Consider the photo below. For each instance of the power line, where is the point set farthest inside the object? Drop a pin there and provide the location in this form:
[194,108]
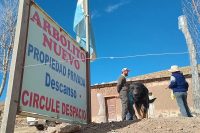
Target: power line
[141,55]
[111,57]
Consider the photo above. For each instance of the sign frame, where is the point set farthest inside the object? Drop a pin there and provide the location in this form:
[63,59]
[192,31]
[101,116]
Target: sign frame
[57,117]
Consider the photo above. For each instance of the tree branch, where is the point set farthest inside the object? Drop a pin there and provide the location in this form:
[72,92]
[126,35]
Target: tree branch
[8,18]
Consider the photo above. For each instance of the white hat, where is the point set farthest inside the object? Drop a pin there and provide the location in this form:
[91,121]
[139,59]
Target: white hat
[125,69]
[174,68]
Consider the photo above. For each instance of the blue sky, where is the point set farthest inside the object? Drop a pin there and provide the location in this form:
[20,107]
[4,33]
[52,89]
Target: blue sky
[127,28]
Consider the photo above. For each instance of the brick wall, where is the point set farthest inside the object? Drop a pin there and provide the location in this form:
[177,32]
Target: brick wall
[163,106]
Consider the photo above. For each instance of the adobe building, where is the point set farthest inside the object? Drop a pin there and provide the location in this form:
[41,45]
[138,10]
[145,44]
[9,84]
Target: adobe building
[106,106]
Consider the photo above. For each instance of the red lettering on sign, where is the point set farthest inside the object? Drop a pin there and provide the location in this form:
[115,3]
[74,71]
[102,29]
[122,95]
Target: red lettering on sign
[46,26]
[36,19]
[57,106]
[42,99]
[50,104]
[60,38]
[60,51]
[35,100]
[25,102]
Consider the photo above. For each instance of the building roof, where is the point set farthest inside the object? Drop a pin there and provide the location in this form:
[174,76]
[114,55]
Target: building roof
[148,77]
[161,74]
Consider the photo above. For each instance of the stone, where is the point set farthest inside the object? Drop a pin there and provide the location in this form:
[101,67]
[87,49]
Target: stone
[67,128]
[51,130]
[159,127]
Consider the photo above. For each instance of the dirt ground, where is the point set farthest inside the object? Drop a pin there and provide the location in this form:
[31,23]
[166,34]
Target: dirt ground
[156,125]
[153,125]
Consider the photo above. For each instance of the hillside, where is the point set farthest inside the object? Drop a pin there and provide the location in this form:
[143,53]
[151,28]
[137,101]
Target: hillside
[153,125]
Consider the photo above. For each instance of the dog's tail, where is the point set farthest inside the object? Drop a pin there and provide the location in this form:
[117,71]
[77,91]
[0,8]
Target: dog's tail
[152,100]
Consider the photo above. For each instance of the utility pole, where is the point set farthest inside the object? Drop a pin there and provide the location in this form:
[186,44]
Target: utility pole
[16,70]
[87,25]
[193,63]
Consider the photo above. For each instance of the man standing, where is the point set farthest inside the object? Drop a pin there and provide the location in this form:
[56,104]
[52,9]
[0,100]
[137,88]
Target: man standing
[180,87]
[122,89]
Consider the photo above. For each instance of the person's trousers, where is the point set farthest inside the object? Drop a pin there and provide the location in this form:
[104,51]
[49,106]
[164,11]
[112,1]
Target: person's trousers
[124,101]
[181,99]
[131,113]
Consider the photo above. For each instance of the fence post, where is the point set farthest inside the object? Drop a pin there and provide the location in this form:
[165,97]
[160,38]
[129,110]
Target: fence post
[193,62]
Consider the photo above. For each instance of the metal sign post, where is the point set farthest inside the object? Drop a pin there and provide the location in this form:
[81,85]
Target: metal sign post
[87,22]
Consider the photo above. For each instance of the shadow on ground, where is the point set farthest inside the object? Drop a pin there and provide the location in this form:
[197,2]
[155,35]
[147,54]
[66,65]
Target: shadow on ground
[105,127]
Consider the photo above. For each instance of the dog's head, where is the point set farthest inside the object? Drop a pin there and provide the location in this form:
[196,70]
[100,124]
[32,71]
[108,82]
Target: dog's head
[138,89]
[140,92]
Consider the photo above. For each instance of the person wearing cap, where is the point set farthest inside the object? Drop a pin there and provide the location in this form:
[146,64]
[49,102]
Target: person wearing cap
[122,89]
[180,87]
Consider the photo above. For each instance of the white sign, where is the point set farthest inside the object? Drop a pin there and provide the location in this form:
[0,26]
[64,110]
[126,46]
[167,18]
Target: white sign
[54,78]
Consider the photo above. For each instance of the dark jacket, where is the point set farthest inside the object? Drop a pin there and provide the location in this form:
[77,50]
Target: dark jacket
[180,84]
[121,84]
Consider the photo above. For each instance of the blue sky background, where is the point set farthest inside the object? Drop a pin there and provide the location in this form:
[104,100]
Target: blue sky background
[127,28]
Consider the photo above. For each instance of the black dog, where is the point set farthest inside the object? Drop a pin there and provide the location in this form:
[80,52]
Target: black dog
[141,99]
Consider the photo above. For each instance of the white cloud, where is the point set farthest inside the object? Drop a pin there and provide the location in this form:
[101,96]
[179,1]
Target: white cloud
[114,7]
[95,14]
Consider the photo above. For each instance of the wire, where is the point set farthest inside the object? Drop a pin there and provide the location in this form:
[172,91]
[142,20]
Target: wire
[111,57]
[142,55]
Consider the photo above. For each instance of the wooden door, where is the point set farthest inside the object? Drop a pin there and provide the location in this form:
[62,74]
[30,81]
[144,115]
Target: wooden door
[111,109]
